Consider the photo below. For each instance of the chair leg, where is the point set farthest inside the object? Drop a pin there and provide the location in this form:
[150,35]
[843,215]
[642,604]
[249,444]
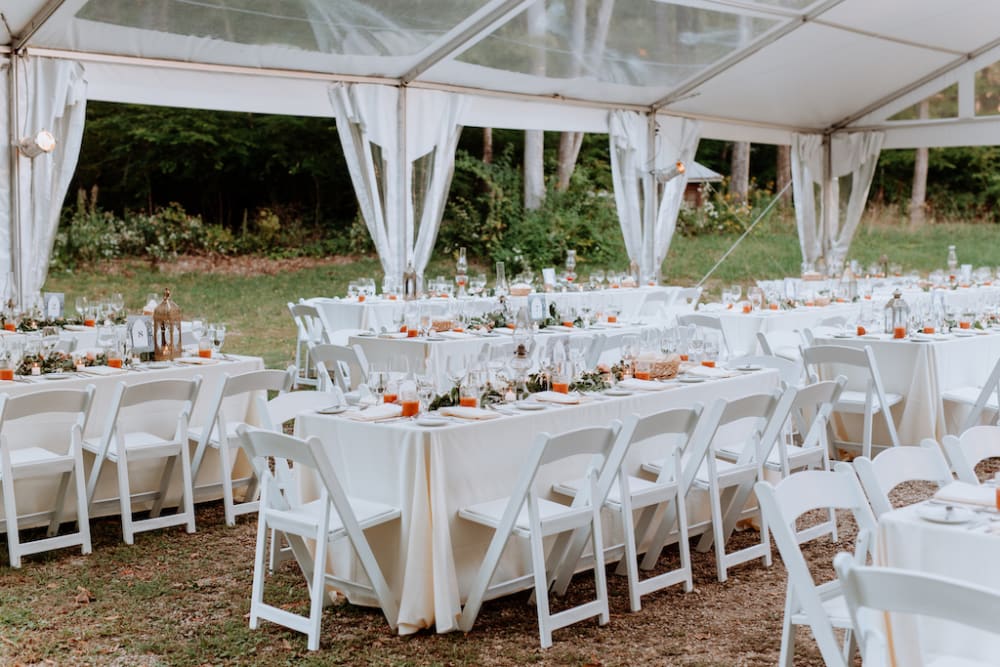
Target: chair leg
[682,541]
[82,511]
[226,477]
[257,588]
[60,505]
[168,472]
[10,512]
[600,576]
[125,498]
[787,656]
[866,442]
[187,486]
[541,588]
[631,561]
[317,589]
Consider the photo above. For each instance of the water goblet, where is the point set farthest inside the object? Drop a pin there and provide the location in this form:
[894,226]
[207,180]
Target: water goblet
[218,337]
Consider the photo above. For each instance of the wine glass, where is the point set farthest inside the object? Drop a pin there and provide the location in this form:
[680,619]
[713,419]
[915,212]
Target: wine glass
[117,302]
[218,337]
[50,339]
[598,275]
[425,391]
[696,343]
[81,304]
[377,382]
[736,291]
[198,329]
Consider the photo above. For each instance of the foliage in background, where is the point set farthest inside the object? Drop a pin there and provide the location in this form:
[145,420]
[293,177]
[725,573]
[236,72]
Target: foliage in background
[719,213]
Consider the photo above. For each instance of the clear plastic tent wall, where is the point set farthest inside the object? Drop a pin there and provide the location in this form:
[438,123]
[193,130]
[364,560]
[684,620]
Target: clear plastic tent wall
[755,70]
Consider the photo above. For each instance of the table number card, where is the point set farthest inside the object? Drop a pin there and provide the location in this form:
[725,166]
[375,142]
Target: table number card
[54,304]
[549,276]
[140,333]
[536,307]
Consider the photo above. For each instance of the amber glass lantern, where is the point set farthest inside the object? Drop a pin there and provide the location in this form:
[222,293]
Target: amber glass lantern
[166,329]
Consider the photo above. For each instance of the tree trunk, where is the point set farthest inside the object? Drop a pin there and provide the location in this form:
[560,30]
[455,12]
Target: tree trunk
[569,150]
[739,183]
[918,196]
[785,173]
[488,145]
[534,140]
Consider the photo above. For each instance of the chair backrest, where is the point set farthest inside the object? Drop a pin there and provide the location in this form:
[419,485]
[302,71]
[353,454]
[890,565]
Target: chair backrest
[72,403]
[675,427]
[174,395]
[969,449]
[769,409]
[347,363]
[892,467]
[782,505]
[687,296]
[842,355]
[244,383]
[871,591]
[781,343]
[655,304]
[308,322]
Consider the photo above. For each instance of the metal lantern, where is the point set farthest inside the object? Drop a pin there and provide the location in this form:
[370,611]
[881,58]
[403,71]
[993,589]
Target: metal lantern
[897,315]
[166,329]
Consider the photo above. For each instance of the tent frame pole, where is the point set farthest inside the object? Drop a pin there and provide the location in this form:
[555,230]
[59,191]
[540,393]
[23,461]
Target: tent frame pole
[828,224]
[649,202]
[403,222]
[14,122]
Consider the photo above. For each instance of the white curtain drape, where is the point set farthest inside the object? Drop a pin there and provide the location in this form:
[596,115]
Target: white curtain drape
[829,233]
[401,193]
[52,95]
[647,211]
[6,263]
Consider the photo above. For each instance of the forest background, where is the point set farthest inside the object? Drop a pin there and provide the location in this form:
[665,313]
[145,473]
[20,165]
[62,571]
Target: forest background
[156,182]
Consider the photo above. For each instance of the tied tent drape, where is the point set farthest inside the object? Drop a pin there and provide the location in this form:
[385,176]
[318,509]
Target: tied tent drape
[829,232]
[51,95]
[647,209]
[401,193]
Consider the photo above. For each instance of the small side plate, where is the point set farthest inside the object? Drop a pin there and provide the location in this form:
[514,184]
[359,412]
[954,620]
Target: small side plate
[332,410]
[529,405]
[617,392]
[689,379]
[431,421]
[945,513]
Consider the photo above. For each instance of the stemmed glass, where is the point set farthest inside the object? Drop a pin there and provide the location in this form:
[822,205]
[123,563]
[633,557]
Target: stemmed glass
[218,337]
[425,391]
[377,383]
[598,275]
[117,302]
[198,329]
[82,304]
[696,343]
[50,339]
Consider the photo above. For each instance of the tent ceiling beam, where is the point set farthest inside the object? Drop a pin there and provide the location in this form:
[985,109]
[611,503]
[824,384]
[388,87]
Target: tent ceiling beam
[738,7]
[467,34]
[35,24]
[929,78]
[740,55]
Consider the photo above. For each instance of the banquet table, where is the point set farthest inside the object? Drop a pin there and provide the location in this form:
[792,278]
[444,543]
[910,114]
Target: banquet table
[399,353]
[431,556]
[378,313]
[920,368]
[34,495]
[741,328]
[905,540]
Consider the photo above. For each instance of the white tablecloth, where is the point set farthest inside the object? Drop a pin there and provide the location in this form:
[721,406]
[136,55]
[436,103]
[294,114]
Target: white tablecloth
[34,495]
[378,312]
[741,328]
[920,372]
[431,556]
[907,541]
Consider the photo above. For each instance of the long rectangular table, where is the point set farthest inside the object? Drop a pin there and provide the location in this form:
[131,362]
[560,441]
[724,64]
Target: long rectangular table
[907,541]
[431,556]
[34,495]
[920,370]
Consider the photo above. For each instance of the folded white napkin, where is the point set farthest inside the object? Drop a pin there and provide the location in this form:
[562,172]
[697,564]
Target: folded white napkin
[713,307]
[633,384]
[968,494]
[456,335]
[559,327]
[503,330]
[102,370]
[556,397]
[393,334]
[377,412]
[706,372]
[196,361]
[468,413]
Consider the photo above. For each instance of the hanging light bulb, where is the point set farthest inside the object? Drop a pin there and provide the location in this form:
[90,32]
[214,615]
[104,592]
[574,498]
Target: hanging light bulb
[664,175]
[40,142]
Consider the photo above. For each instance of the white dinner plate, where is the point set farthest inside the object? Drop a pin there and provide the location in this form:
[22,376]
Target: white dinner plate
[945,513]
[617,392]
[155,365]
[332,410]
[690,379]
[431,421]
[56,376]
[529,405]
[746,368]
[490,334]
[963,333]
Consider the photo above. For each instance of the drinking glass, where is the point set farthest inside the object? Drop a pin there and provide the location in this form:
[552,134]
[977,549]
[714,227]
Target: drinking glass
[737,291]
[218,337]
[50,339]
[599,275]
[81,304]
[377,382]
[198,329]
[696,343]
[118,302]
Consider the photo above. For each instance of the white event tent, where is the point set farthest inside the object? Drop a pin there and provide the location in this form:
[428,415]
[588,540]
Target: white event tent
[829,77]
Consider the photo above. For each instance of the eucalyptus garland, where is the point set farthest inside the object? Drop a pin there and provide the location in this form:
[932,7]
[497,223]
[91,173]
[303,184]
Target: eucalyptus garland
[57,362]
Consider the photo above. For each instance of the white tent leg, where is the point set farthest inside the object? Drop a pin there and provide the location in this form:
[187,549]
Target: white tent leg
[13,122]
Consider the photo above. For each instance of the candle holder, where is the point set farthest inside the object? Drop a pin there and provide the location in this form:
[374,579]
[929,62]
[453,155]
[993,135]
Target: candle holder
[166,329]
[461,273]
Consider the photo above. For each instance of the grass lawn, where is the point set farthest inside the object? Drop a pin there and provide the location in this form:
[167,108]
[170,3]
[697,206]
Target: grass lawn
[250,295]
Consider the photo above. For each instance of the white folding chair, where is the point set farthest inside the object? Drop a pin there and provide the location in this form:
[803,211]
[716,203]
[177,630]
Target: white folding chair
[892,467]
[971,448]
[137,429]
[22,457]
[280,410]
[810,418]
[218,434]
[820,607]
[730,483]
[673,429]
[870,402]
[872,592]
[712,322]
[686,299]
[781,343]
[333,516]
[347,363]
[309,331]
[656,303]
[529,516]
[978,399]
